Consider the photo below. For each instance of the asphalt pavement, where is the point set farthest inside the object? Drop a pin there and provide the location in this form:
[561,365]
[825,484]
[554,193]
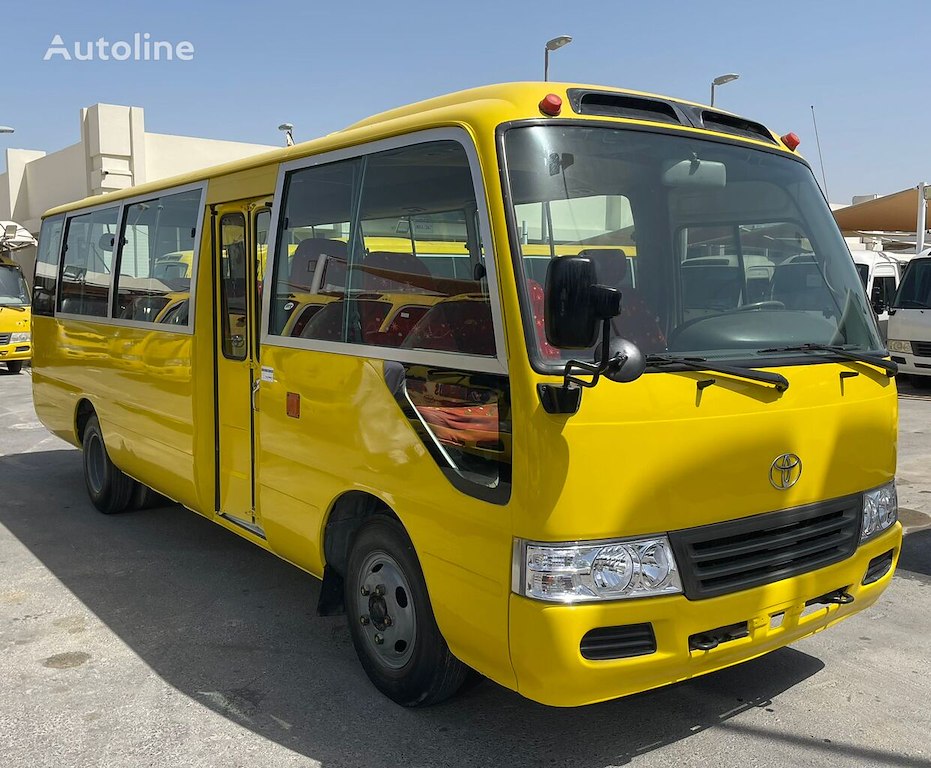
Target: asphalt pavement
[159,639]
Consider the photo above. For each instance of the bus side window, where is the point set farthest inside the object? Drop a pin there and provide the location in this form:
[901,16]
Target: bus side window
[87,261]
[155,263]
[43,289]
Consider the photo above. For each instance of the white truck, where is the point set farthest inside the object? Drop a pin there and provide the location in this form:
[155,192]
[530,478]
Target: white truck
[909,330]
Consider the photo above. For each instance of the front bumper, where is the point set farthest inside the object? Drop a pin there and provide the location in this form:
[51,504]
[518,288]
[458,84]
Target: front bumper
[545,637]
[15,352]
[912,364]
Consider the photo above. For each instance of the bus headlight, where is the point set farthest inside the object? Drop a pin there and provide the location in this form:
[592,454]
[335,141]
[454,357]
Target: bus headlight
[19,338]
[880,510]
[895,345]
[603,570]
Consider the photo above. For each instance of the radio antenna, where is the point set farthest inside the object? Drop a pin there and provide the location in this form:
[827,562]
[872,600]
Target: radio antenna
[824,178]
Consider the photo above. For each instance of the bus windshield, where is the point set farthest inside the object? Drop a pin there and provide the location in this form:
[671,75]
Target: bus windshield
[719,250]
[915,291]
[13,291]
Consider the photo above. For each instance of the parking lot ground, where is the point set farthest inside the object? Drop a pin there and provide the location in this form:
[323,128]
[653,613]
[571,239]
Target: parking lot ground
[159,639]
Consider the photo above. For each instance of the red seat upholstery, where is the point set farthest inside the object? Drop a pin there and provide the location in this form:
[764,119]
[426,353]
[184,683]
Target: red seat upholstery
[403,322]
[637,322]
[327,324]
[537,296]
[455,325]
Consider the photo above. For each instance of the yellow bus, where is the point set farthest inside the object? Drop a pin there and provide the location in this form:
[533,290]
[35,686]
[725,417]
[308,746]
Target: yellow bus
[15,340]
[569,386]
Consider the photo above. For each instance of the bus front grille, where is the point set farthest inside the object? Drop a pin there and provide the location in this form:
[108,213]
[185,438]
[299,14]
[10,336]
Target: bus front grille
[4,338]
[739,554]
[922,348]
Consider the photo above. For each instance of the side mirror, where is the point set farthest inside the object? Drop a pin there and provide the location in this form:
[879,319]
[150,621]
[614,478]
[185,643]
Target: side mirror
[574,304]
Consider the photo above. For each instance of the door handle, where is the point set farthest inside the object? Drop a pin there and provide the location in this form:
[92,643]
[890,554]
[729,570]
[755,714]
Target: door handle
[255,391]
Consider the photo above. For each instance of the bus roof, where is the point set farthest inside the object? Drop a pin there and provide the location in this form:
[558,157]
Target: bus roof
[481,105]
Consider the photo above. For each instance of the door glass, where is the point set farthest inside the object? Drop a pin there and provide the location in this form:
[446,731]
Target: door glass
[262,221]
[233,305]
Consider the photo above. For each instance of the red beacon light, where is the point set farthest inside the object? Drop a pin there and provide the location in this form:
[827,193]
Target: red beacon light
[551,105]
[791,140]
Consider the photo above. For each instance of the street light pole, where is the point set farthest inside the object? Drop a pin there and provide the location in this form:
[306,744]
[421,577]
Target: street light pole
[924,194]
[552,45]
[288,131]
[721,80]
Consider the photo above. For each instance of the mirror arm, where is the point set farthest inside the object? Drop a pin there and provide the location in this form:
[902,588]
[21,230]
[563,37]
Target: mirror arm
[567,398]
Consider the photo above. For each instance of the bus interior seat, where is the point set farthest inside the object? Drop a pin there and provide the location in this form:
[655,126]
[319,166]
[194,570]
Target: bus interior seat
[402,264]
[801,285]
[637,322]
[403,322]
[710,287]
[84,306]
[304,263]
[145,308]
[455,325]
[327,323]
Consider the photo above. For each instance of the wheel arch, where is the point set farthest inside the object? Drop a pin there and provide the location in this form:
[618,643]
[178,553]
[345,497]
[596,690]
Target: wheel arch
[347,514]
[82,414]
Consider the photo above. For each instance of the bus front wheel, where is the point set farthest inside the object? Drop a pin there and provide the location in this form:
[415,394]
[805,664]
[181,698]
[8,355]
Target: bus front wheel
[14,366]
[109,488]
[391,622]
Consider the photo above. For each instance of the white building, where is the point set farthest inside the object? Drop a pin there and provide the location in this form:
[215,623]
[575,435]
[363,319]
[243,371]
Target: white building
[114,152]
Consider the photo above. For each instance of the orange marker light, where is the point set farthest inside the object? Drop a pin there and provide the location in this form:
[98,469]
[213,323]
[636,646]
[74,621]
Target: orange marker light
[551,105]
[791,140]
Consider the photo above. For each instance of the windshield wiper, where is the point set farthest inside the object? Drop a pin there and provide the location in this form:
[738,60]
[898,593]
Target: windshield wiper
[780,382]
[17,307]
[890,368]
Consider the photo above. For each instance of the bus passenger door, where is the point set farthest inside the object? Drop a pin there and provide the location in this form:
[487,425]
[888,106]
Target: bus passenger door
[235,354]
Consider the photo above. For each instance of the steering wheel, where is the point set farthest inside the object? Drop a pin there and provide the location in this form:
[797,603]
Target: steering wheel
[769,304]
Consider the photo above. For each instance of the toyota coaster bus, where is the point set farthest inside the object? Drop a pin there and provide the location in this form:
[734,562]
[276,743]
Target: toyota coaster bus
[572,386]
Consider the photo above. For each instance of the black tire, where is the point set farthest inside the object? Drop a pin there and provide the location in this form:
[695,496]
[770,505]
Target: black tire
[423,671]
[146,498]
[920,382]
[110,489]
[14,366]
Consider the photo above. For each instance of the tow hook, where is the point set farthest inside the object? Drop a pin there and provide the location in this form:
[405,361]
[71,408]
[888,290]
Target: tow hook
[705,641]
[837,597]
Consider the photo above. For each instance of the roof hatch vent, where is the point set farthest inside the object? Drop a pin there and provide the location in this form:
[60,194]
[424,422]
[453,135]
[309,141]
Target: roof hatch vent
[609,104]
[737,126]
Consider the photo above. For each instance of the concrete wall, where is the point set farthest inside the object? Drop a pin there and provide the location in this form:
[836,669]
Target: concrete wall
[170,155]
[51,180]
[114,153]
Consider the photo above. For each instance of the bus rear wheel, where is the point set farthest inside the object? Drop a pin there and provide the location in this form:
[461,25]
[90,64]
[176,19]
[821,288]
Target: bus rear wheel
[14,366]
[391,622]
[109,488]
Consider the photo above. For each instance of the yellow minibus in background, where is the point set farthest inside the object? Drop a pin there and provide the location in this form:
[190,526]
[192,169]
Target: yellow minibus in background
[572,386]
[15,340]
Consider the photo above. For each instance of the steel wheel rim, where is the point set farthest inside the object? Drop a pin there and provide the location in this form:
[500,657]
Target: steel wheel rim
[385,610]
[95,463]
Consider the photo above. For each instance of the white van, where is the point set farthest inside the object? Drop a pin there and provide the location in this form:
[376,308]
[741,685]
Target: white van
[910,320]
[880,274]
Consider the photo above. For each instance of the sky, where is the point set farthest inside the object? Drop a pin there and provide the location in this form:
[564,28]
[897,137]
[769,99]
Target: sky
[321,66]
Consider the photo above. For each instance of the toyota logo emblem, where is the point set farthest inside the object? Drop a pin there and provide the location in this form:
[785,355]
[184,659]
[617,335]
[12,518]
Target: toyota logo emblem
[785,471]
